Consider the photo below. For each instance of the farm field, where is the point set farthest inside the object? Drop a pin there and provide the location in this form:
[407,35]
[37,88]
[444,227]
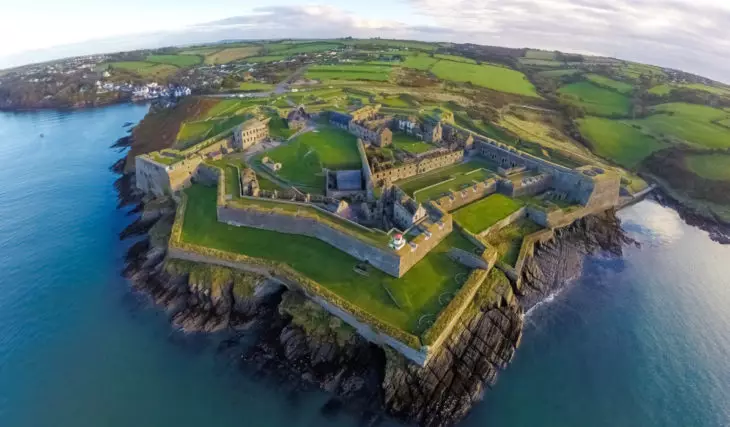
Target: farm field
[508,240]
[709,166]
[540,54]
[392,43]
[596,100]
[349,72]
[417,293]
[600,80]
[482,214]
[688,122]
[175,60]
[661,90]
[419,62]
[232,54]
[255,86]
[303,158]
[455,58]
[618,141]
[558,73]
[489,76]
[541,63]
[294,49]
[144,69]
[412,185]
[410,144]
[202,51]
[665,89]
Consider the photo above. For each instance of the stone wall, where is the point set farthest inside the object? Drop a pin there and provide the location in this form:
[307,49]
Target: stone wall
[151,177]
[409,256]
[416,168]
[513,217]
[468,259]
[383,259]
[367,174]
[458,199]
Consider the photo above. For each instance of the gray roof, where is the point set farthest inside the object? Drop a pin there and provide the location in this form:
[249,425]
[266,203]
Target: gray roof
[349,180]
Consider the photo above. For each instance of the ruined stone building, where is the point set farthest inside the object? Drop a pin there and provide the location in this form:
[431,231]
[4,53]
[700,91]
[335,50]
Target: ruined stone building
[406,211]
[250,132]
[297,118]
[375,132]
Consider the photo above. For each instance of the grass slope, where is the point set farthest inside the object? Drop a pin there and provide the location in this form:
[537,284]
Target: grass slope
[688,122]
[596,100]
[610,83]
[617,141]
[710,166]
[492,77]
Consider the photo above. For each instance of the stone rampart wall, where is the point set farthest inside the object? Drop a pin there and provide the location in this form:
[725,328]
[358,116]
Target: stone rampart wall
[367,173]
[181,173]
[458,199]
[416,168]
[410,256]
[513,217]
[467,258]
[207,175]
[382,259]
[151,177]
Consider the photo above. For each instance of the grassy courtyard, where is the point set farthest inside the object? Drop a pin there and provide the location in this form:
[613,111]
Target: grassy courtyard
[303,158]
[416,294]
[410,144]
[412,185]
[508,240]
[455,183]
[484,213]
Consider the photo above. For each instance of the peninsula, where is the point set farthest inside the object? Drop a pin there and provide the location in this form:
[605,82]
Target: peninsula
[383,212]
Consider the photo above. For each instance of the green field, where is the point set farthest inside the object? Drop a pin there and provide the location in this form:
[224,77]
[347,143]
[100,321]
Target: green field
[303,158]
[193,132]
[596,100]
[144,69]
[661,90]
[610,83]
[508,240]
[489,76]
[255,86]
[541,63]
[665,89]
[419,62]
[540,54]
[176,60]
[265,58]
[455,183]
[558,73]
[455,58]
[278,128]
[417,293]
[349,72]
[308,48]
[482,214]
[395,102]
[232,54]
[710,166]
[617,141]
[688,122]
[410,144]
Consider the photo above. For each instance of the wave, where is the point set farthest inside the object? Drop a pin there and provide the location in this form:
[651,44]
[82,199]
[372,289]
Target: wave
[547,300]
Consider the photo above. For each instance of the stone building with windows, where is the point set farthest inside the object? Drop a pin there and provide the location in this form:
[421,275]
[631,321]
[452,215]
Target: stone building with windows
[250,132]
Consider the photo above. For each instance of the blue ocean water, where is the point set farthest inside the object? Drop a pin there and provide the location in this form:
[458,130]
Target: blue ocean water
[642,341]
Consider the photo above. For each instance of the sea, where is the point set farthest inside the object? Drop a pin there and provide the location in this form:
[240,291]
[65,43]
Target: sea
[639,341]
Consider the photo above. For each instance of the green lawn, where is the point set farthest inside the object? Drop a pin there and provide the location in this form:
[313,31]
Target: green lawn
[411,185]
[176,60]
[618,141]
[480,215]
[497,78]
[508,240]
[710,166]
[417,292]
[303,158]
[279,129]
[596,100]
[410,144]
[688,122]
[600,80]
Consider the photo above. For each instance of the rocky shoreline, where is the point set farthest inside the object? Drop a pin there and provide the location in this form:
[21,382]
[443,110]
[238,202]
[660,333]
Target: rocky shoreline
[718,229]
[368,380]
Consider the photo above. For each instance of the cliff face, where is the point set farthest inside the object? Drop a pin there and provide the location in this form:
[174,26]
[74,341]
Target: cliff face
[304,346]
[560,260]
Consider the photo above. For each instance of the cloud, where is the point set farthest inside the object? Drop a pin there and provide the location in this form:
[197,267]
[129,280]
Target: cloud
[686,34]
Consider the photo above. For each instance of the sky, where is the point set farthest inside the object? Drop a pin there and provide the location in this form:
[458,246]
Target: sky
[691,35]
